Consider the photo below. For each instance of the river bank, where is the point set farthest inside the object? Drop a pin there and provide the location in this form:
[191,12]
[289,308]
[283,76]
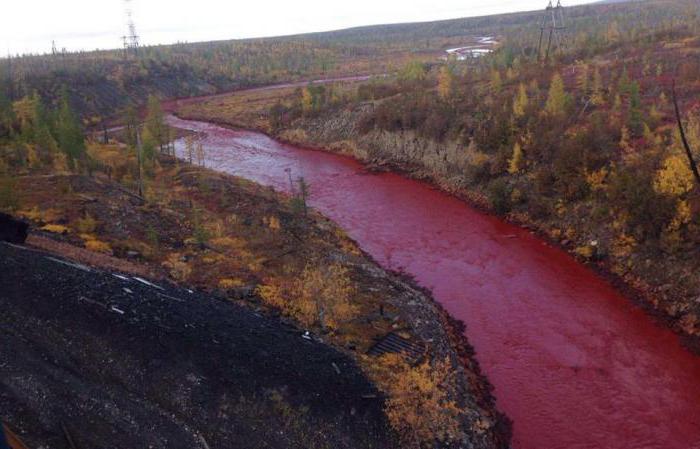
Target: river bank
[659,292]
[242,242]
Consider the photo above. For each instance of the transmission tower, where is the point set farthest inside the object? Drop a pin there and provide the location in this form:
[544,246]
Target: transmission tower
[552,27]
[131,40]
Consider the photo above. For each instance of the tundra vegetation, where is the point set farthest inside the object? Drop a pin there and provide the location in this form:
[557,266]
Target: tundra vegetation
[586,147]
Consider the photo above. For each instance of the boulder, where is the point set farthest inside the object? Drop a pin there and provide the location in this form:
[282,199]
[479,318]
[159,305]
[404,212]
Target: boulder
[12,230]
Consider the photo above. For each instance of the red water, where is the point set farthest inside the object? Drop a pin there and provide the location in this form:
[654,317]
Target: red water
[573,363]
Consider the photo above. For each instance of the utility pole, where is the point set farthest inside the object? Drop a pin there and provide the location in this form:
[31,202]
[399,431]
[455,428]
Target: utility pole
[552,27]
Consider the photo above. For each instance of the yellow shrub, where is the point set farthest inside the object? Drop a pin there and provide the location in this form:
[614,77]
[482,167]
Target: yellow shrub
[98,246]
[623,245]
[272,295]
[682,217]
[325,296]
[419,407]
[228,242]
[674,178]
[178,269]
[45,215]
[55,229]
[274,223]
[86,225]
[596,180]
[584,251]
[226,284]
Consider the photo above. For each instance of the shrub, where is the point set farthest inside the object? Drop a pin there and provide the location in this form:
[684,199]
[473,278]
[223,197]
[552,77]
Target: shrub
[499,193]
[647,211]
[55,229]
[178,269]
[228,284]
[200,233]
[419,406]
[86,225]
[98,247]
[9,200]
[325,296]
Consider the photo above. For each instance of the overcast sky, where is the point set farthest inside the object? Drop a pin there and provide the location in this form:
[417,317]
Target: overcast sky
[31,25]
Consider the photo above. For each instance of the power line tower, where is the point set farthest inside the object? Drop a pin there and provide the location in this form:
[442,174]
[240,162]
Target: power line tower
[131,40]
[552,27]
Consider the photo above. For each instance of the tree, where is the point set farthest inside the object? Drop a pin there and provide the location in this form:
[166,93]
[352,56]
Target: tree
[148,152]
[613,34]
[6,113]
[189,148]
[325,296]
[131,122]
[445,83]
[69,135]
[516,161]
[582,82]
[496,81]
[201,155]
[413,71]
[300,196]
[597,95]
[155,123]
[634,118]
[521,101]
[307,101]
[44,141]
[684,139]
[674,178]
[557,98]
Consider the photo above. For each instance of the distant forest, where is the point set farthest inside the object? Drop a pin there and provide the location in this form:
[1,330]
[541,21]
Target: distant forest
[100,83]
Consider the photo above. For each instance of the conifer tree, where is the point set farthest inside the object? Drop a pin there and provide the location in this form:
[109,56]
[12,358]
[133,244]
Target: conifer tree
[69,134]
[307,101]
[597,96]
[557,98]
[6,113]
[634,119]
[155,123]
[43,139]
[496,81]
[516,161]
[582,79]
[521,102]
[445,83]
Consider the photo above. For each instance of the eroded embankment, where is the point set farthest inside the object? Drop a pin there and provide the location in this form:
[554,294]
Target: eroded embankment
[248,244]
[574,363]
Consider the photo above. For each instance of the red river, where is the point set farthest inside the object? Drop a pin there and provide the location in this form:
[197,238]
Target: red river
[573,362]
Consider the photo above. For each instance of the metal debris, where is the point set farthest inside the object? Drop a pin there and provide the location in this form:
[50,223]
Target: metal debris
[395,344]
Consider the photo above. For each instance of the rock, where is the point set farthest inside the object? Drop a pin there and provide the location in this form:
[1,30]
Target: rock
[12,230]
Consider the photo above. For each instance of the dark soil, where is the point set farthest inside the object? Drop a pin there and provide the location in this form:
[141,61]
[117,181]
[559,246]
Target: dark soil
[124,364]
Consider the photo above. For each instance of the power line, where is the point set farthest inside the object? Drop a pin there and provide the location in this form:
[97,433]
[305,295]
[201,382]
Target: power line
[552,27]
[131,39]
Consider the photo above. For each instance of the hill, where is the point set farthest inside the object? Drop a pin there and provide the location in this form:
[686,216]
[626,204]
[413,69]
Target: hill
[100,84]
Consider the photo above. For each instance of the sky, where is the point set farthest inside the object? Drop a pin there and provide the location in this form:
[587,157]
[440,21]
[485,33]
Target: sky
[30,26]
